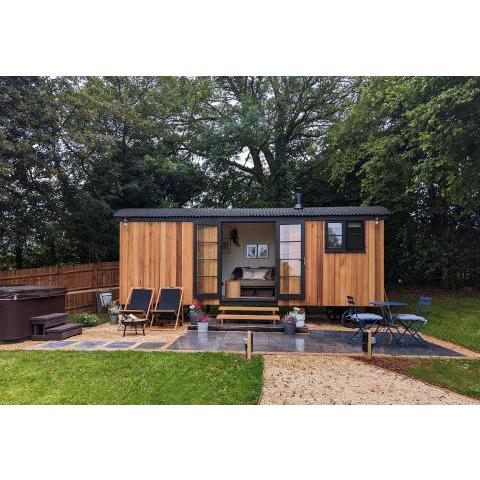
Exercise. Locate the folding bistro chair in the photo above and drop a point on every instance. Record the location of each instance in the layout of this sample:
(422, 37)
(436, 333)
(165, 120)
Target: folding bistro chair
(413, 323)
(136, 309)
(362, 320)
(168, 305)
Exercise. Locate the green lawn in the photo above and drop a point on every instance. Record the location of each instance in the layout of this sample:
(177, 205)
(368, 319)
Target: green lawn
(454, 317)
(462, 376)
(37, 377)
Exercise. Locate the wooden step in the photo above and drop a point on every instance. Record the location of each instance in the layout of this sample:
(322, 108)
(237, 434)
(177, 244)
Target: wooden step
(50, 320)
(232, 316)
(63, 331)
(243, 308)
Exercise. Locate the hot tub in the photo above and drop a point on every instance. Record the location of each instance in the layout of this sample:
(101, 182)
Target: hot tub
(19, 303)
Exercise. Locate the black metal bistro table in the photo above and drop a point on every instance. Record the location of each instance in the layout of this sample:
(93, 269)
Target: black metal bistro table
(390, 324)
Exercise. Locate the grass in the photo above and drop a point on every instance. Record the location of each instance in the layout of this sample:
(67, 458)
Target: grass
(461, 376)
(158, 378)
(454, 318)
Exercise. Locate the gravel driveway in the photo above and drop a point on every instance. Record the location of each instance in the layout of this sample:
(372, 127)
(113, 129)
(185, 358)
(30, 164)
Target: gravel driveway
(329, 380)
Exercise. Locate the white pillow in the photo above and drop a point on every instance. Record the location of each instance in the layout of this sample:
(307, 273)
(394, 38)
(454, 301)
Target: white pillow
(247, 274)
(259, 274)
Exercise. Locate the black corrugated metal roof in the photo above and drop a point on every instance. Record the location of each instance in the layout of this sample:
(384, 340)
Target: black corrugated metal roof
(159, 213)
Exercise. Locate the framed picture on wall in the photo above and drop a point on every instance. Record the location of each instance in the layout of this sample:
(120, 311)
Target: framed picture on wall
(262, 250)
(251, 251)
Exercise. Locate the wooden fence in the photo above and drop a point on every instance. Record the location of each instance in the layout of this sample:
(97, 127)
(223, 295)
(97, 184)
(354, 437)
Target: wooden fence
(82, 281)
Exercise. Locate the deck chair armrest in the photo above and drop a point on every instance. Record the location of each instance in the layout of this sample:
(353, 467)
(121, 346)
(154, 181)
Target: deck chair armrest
(132, 311)
(163, 311)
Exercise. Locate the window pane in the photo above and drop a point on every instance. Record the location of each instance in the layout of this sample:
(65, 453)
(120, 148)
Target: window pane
(207, 268)
(290, 285)
(354, 233)
(207, 285)
(207, 250)
(335, 229)
(207, 263)
(289, 268)
(207, 233)
(334, 241)
(290, 250)
(290, 233)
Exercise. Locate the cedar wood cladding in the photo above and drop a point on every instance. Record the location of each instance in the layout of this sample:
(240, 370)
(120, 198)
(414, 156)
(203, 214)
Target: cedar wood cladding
(160, 254)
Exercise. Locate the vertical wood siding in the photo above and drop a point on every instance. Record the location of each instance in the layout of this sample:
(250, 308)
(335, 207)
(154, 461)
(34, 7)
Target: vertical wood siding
(160, 254)
(330, 277)
(156, 255)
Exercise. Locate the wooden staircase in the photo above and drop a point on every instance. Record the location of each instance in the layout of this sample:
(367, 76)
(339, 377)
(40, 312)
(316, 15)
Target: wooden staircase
(53, 326)
(247, 313)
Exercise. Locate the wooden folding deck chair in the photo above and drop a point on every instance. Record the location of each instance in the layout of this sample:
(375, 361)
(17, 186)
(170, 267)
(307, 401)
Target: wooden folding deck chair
(168, 304)
(139, 303)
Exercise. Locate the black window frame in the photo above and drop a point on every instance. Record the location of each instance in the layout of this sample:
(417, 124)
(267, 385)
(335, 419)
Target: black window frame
(345, 247)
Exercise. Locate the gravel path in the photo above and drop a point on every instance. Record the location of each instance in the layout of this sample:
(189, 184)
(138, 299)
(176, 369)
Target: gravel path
(330, 380)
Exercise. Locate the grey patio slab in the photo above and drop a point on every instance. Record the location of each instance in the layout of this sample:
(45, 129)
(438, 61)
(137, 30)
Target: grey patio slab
(317, 341)
(89, 344)
(119, 345)
(150, 346)
(56, 344)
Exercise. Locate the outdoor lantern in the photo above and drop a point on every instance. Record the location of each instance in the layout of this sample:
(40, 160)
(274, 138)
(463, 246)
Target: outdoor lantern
(377, 220)
(125, 221)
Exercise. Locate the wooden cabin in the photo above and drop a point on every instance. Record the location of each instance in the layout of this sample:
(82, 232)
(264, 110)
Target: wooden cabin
(312, 256)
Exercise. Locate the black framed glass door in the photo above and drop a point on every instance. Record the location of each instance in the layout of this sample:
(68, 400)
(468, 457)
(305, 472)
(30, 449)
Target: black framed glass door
(290, 277)
(207, 260)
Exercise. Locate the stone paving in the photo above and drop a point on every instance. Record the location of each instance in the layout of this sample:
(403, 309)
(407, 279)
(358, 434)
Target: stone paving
(317, 341)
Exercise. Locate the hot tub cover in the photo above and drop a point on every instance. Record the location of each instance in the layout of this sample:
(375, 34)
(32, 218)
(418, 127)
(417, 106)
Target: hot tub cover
(21, 292)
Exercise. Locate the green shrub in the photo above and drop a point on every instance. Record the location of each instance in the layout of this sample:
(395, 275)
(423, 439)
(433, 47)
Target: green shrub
(85, 319)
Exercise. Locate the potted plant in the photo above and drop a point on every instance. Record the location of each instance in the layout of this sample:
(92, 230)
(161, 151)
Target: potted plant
(299, 313)
(202, 322)
(114, 309)
(289, 322)
(194, 312)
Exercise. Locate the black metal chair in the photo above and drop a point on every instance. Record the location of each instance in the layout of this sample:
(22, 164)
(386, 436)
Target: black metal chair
(413, 323)
(362, 320)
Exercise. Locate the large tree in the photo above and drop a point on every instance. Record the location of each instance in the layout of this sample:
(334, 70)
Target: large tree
(253, 133)
(413, 145)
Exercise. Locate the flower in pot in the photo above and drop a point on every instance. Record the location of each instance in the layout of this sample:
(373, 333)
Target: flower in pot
(299, 313)
(114, 309)
(289, 322)
(193, 312)
(202, 322)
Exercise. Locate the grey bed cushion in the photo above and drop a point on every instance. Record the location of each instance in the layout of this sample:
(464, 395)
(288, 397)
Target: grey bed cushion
(247, 282)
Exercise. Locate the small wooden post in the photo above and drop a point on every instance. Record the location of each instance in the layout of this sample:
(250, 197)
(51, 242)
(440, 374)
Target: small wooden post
(249, 345)
(369, 345)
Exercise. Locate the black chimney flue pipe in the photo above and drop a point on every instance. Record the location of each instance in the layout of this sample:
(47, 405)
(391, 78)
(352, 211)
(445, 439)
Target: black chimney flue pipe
(298, 201)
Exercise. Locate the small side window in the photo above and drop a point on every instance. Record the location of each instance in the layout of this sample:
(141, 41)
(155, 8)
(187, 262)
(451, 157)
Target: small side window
(354, 236)
(335, 239)
(345, 236)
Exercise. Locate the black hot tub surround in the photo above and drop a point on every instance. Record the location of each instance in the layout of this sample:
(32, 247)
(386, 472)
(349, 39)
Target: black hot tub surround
(19, 303)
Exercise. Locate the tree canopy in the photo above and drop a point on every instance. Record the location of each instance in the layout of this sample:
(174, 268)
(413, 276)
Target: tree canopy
(73, 150)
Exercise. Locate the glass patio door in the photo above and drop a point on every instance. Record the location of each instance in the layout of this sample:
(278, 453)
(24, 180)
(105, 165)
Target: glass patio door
(290, 276)
(207, 260)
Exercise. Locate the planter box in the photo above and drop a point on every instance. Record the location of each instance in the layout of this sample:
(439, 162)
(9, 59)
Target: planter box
(202, 327)
(289, 328)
